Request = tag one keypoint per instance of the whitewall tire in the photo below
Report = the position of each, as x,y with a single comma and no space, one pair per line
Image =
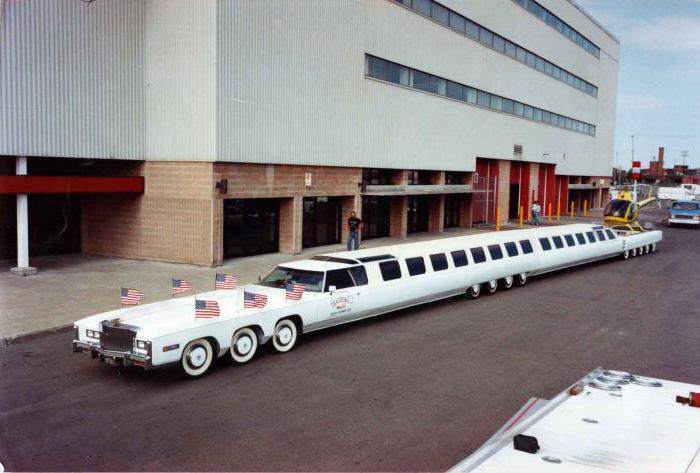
244,345
492,286
507,282
633,252
626,254
646,250
521,279
197,357
474,291
653,248
285,336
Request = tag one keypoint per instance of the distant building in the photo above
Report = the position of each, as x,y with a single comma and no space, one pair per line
197,131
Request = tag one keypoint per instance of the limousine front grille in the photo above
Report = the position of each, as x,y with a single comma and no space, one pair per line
117,338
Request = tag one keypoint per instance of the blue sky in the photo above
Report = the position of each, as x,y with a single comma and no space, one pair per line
659,76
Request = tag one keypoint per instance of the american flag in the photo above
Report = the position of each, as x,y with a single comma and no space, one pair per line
131,296
294,291
206,309
180,285
252,299
225,281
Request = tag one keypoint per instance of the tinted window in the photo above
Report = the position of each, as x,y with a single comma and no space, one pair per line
439,261
390,270
457,22
478,255
569,240
511,248
440,13
416,265
422,6
557,242
610,234
495,252
459,258
581,240
526,246
591,237
546,245
340,278
601,235
359,275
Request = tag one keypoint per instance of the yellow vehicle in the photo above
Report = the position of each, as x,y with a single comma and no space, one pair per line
622,213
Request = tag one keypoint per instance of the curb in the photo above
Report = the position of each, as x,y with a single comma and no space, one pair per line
24,337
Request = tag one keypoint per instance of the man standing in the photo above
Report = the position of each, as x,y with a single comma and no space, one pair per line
354,226
536,210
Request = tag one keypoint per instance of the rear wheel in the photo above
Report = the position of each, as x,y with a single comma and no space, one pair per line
285,336
633,252
521,279
626,254
646,250
474,291
244,345
197,357
492,286
507,282
653,248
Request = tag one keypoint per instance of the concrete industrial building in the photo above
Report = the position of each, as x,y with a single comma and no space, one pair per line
196,131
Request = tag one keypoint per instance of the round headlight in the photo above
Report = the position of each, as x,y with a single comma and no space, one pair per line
141,344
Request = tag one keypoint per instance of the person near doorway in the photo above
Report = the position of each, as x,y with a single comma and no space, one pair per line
536,210
354,227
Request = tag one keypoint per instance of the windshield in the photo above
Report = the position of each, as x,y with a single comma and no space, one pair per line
684,206
617,208
280,276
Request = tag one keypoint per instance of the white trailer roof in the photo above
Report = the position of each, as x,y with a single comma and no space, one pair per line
634,429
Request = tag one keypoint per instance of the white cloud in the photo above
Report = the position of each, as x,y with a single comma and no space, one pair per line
674,34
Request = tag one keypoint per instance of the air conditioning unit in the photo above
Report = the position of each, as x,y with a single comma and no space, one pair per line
518,151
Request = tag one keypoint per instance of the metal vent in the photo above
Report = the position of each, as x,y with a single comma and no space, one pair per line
517,150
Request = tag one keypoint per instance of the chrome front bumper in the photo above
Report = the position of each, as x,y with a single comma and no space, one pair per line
113,357
684,221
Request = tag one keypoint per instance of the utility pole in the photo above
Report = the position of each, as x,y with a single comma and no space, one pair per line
684,154
634,192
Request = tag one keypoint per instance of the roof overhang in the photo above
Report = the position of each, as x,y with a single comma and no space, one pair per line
69,184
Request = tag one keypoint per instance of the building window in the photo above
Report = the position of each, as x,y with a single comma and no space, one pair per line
377,68
376,177
555,22
455,21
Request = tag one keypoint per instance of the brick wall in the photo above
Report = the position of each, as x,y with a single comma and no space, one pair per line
503,190
398,217
436,213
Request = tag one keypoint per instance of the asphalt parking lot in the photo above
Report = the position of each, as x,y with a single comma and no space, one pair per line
414,390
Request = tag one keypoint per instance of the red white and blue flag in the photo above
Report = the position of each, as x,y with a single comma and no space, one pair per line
206,309
253,299
131,296
225,281
180,286
294,291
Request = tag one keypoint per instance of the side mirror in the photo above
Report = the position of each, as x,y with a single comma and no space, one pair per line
331,289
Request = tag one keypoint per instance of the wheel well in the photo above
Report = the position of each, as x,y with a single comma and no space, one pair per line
297,321
214,345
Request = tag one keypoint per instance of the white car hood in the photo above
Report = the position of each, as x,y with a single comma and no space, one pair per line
172,315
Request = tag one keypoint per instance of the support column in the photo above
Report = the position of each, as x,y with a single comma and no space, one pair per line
465,211
23,268
398,217
291,214
351,203
436,213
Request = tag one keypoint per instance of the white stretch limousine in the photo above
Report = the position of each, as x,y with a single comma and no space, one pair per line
340,288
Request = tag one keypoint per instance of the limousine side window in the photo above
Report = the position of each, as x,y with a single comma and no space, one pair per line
581,239
601,235
546,245
390,270
610,234
359,275
340,278
557,242
511,249
526,246
415,265
439,261
459,258
478,255
569,240
591,237
495,252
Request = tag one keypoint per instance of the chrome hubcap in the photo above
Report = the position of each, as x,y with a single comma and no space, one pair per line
475,288
197,356
284,335
509,280
244,345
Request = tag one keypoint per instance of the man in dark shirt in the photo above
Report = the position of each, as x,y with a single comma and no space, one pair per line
354,226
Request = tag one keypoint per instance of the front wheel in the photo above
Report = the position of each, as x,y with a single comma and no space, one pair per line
626,254
244,345
474,291
285,336
197,357
492,286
